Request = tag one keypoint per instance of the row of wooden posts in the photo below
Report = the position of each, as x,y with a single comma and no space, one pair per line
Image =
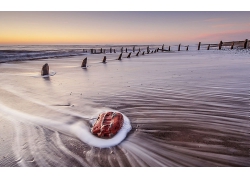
45,68
84,62
94,51
219,45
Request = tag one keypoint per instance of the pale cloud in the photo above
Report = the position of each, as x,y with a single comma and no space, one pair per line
224,36
214,19
231,25
224,25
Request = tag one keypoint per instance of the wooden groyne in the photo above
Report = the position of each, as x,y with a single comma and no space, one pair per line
243,44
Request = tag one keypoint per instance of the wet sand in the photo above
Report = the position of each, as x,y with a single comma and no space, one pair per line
187,108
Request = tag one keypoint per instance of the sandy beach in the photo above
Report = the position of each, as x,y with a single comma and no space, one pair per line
186,108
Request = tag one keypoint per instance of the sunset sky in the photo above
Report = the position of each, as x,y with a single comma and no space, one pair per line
122,27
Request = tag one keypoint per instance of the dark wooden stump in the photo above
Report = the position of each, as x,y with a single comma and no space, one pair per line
120,57
104,59
220,45
232,46
199,45
45,69
129,55
245,43
84,63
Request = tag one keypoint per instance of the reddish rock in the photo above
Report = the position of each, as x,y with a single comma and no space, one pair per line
108,124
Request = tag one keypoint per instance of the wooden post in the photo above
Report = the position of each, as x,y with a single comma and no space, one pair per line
122,50
134,49
129,55
45,69
84,63
137,53
104,59
155,51
179,47
199,45
104,51
208,47
158,49
101,50
169,48
126,50
220,45
114,51
91,51
245,44
232,46
162,48
120,57
143,52
187,48
147,48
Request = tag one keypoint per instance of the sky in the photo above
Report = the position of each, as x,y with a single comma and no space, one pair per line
123,27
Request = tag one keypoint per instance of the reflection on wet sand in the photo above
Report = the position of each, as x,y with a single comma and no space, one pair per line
185,109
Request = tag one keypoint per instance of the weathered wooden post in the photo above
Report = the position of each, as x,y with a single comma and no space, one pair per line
137,53
245,44
155,51
187,48
179,47
104,59
84,63
45,69
143,53
169,48
122,50
134,49
232,46
208,47
114,51
158,49
148,49
199,45
220,45
162,48
91,51
126,50
120,57
129,55
101,50
110,50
